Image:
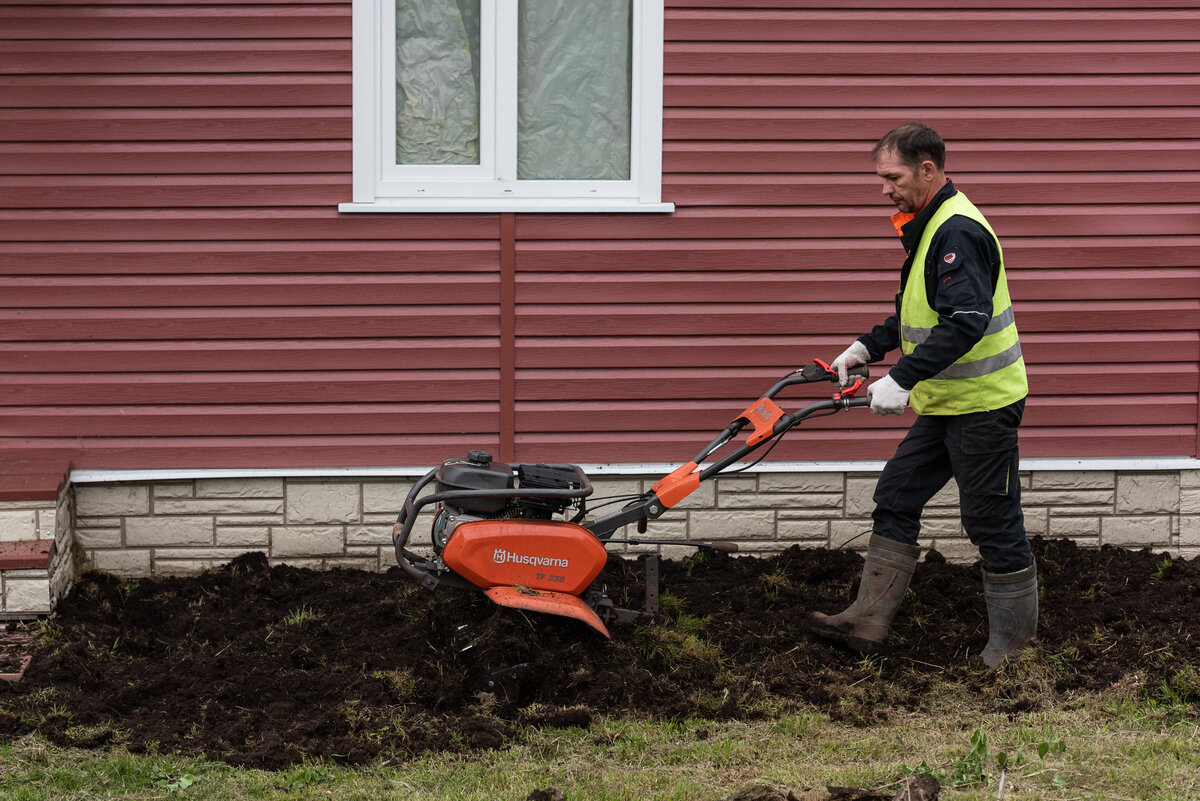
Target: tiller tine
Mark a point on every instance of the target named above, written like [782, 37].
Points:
[549, 602]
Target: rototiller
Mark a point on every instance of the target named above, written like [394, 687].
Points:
[520, 532]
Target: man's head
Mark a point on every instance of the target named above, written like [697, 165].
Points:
[911, 160]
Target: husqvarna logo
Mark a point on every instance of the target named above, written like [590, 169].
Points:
[503, 557]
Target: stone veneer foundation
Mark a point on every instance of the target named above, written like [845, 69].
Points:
[38, 559]
[143, 526]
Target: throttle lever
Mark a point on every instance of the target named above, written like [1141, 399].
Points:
[860, 371]
[849, 391]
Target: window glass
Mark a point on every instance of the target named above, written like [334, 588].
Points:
[437, 82]
[574, 64]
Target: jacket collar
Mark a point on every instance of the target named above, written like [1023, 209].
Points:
[911, 226]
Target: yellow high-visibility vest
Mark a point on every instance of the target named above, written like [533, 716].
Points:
[990, 375]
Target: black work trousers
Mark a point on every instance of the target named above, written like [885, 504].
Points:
[979, 451]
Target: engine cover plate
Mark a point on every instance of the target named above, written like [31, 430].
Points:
[540, 554]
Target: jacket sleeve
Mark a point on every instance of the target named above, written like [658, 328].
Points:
[882, 338]
[961, 270]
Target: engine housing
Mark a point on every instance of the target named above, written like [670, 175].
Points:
[538, 554]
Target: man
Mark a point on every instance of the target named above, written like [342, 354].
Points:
[961, 370]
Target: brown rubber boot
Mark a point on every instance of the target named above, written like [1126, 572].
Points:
[864, 625]
[1012, 605]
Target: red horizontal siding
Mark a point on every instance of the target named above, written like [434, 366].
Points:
[129, 160]
[707, 189]
[186, 91]
[1033, 123]
[678, 383]
[846, 254]
[1051, 92]
[167, 21]
[650, 319]
[734, 189]
[700, 417]
[959, 58]
[298, 450]
[64, 192]
[1075, 128]
[723, 222]
[249, 355]
[901, 5]
[780, 350]
[224, 323]
[99, 57]
[180, 290]
[123, 130]
[225, 225]
[758, 222]
[981, 24]
[422, 290]
[809, 444]
[217, 257]
[844, 162]
[815, 286]
[301, 386]
[250, 420]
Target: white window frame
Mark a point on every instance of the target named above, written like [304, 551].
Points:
[382, 186]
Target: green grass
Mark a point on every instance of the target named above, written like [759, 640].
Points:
[1114, 748]
[301, 616]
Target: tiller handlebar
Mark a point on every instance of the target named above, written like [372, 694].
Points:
[770, 423]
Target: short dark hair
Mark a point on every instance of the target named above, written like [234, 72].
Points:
[913, 142]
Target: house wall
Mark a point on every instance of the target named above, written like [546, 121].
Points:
[180, 293]
[180, 290]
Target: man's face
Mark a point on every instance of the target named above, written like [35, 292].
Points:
[909, 189]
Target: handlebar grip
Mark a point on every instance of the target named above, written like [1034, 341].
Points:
[817, 372]
[724, 547]
[858, 371]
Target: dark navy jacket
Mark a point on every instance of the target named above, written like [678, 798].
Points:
[960, 292]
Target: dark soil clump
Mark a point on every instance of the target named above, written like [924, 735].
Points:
[267, 666]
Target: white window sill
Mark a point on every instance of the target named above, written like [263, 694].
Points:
[538, 205]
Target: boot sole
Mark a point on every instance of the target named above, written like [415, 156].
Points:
[865, 647]
[818, 627]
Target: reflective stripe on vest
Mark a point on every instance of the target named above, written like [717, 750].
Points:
[989, 376]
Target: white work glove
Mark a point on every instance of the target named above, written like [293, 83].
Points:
[852, 356]
[887, 397]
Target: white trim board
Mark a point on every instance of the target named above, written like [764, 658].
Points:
[1149, 465]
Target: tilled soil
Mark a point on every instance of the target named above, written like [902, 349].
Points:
[265, 666]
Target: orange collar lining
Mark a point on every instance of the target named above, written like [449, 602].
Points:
[901, 219]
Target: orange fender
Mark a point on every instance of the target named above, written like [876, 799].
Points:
[548, 602]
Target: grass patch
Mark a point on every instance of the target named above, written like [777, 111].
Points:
[1098, 748]
[302, 615]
